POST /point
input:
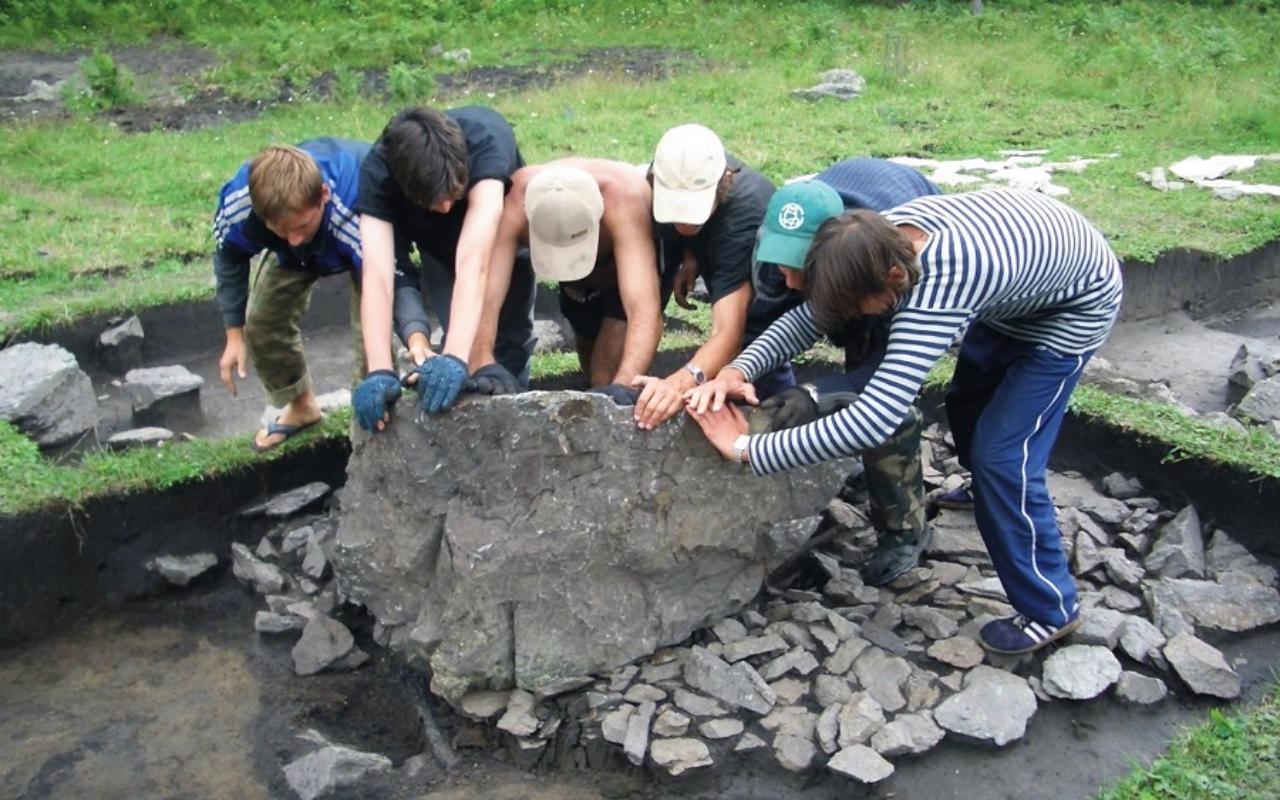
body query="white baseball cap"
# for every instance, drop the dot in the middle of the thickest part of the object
(564, 207)
(687, 167)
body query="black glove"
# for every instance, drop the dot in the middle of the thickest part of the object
(831, 402)
(790, 408)
(618, 393)
(494, 379)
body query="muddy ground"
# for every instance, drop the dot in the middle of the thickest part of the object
(178, 697)
(172, 79)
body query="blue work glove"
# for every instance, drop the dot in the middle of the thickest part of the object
(495, 379)
(374, 397)
(622, 395)
(440, 379)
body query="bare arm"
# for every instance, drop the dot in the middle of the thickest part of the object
(511, 230)
(663, 399)
(475, 248)
(728, 322)
(377, 240)
(636, 260)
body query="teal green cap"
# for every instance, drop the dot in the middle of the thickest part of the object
(795, 213)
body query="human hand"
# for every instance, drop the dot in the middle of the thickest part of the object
(374, 398)
(494, 379)
(659, 401)
(722, 427)
(233, 359)
(440, 379)
(685, 280)
(730, 384)
(790, 408)
(619, 393)
(419, 347)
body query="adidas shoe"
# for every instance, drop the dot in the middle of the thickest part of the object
(1017, 634)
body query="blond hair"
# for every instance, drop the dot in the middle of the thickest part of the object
(284, 180)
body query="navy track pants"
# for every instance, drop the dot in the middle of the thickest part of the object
(1005, 405)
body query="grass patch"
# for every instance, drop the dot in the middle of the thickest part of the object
(1233, 756)
(1151, 81)
(31, 483)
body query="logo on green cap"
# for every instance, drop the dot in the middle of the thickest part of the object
(791, 216)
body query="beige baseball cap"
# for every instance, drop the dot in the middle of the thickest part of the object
(564, 207)
(687, 167)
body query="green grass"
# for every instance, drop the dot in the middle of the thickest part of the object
(1235, 755)
(31, 482)
(97, 220)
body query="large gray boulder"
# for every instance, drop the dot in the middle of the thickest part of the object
(523, 540)
(45, 394)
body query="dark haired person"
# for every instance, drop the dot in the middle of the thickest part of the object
(892, 472)
(709, 205)
(1034, 289)
(435, 181)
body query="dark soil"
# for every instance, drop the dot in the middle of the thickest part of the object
(167, 70)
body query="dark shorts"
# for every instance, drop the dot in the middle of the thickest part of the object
(586, 309)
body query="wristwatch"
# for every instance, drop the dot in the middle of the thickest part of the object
(740, 448)
(699, 377)
(811, 390)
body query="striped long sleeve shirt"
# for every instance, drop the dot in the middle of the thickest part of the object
(1020, 262)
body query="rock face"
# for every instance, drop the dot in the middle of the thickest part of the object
(45, 394)
(167, 397)
(521, 540)
(120, 346)
(994, 706)
(330, 768)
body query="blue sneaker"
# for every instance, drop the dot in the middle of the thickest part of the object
(1016, 635)
(960, 499)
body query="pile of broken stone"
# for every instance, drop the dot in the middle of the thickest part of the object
(831, 673)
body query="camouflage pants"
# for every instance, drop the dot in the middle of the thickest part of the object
(278, 299)
(895, 481)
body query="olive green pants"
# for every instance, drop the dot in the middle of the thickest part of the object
(278, 299)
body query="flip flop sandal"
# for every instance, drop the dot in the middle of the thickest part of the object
(277, 428)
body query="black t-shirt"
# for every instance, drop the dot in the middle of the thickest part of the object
(491, 154)
(726, 242)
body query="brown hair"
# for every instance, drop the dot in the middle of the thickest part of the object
(284, 180)
(427, 154)
(850, 259)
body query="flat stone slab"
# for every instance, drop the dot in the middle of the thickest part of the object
(331, 768)
(994, 706)
(45, 394)
(286, 504)
(1202, 667)
(861, 763)
(139, 437)
(324, 641)
(680, 755)
(181, 570)
(1236, 607)
(1080, 672)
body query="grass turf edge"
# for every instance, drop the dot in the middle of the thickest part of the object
(1233, 754)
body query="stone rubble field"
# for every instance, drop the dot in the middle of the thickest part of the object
(821, 672)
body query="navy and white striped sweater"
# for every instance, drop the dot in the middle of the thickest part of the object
(1019, 261)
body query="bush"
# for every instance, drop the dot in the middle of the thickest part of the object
(407, 84)
(106, 84)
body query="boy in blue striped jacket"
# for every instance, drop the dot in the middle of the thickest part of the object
(1033, 289)
(295, 202)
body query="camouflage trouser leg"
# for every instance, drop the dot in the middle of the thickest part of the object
(277, 300)
(895, 481)
(360, 365)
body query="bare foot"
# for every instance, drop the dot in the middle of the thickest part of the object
(300, 414)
